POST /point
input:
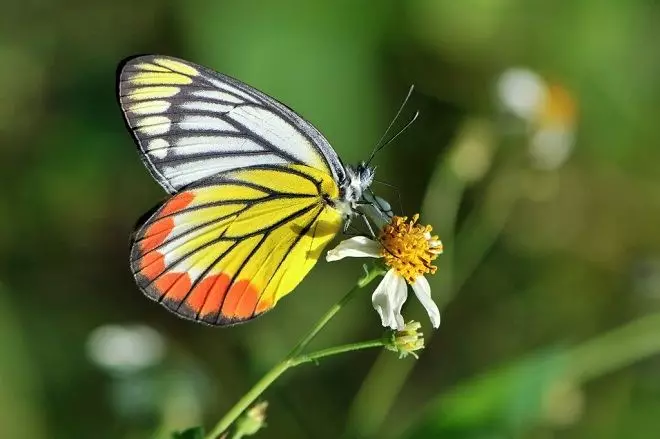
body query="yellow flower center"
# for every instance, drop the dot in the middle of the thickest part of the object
(409, 248)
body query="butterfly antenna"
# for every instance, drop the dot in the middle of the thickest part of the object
(393, 138)
(379, 144)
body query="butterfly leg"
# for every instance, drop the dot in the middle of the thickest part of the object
(366, 221)
(347, 224)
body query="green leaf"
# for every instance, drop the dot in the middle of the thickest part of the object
(507, 399)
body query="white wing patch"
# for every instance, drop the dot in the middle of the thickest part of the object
(223, 85)
(217, 96)
(278, 132)
(153, 125)
(192, 123)
(183, 172)
(215, 144)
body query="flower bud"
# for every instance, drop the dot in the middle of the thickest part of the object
(407, 341)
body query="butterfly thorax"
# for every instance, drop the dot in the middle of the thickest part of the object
(351, 189)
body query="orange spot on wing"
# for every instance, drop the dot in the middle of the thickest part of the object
(156, 234)
(241, 300)
(152, 264)
(248, 302)
(197, 297)
(264, 305)
(177, 203)
(215, 287)
(174, 285)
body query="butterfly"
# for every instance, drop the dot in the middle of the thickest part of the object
(256, 191)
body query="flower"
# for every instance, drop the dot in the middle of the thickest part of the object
(549, 110)
(407, 341)
(408, 249)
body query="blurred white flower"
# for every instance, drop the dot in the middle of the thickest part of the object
(521, 91)
(549, 110)
(125, 348)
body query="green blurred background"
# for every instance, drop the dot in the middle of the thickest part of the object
(535, 157)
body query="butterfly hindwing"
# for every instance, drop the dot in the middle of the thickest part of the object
(227, 249)
(191, 123)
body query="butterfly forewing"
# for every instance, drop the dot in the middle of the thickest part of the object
(226, 250)
(192, 123)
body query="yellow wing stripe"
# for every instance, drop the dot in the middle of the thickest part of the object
(157, 78)
(302, 257)
(151, 67)
(263, 216)
(150, 107)
(297, 179)
(155, 92)
(177, 66)
(230, 192)
(287, 182)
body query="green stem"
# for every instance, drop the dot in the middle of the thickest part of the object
(247, 399)
(295, 358)
(315, 356)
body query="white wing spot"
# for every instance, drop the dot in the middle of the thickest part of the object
(207, 106)
(150, 107)
(153, 125)
(279, 132)
(215, 144)
(158, 148)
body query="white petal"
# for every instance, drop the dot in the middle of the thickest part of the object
(355, 247)
(422, 290)
(388, 298)
(400, 296)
